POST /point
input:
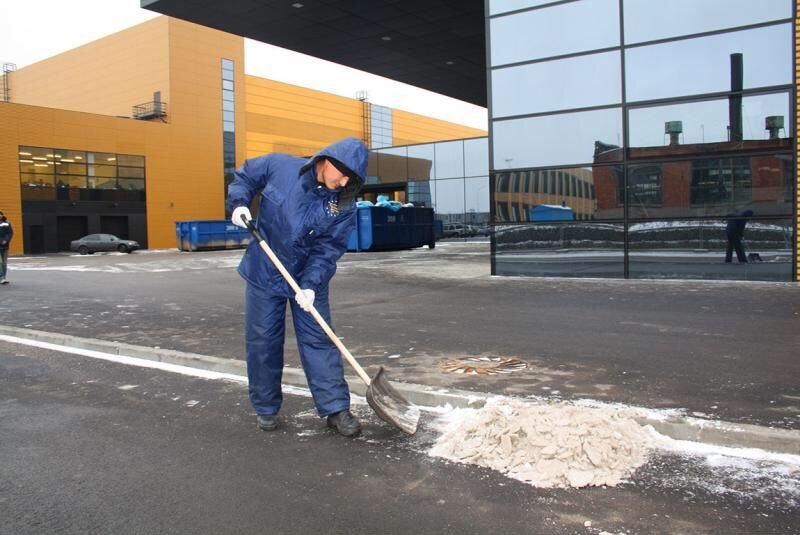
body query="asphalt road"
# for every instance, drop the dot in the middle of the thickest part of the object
(725, 350)
(90, 446)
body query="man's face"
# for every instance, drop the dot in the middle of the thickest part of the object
(331, 177)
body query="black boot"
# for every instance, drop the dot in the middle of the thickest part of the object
(345, 423)
(267, 422)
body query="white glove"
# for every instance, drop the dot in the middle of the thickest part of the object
(305, 298)
(238, 212)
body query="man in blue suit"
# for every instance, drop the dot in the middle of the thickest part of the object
(307, 212)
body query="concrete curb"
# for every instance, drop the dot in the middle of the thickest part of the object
(679, 428)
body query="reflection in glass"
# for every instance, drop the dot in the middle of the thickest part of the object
(449, 159)
(421, 161)
(553, 31)
(503, 6)
(476, 156)
(567, 194)
(709, 121)
(552, 140)
(703, 186)
(476, 200)
(646, 20)
(560, 249)
(556, 85)
(695, 249)
(703, 65)
(450, 206)
(392, 165)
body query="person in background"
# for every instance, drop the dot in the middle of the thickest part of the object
(735, 232)
(307, 212)
(6, 233)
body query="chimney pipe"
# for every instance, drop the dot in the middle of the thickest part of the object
(774, 123)
(735, 100)
(674, 129)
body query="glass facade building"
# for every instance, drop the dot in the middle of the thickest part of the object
(449, 176)
(630, 138)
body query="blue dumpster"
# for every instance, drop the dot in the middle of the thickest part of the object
(387, 229)
(550, 212)
(210, 235)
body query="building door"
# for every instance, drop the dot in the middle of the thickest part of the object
(35, 239)
(116, 225)
(70, 228)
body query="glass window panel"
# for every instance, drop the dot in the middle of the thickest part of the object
(503, 6)
(419, 192)
(131, 172)
(543, 187)
(590, 136)
(130, 160)
(553, 31)
(392, 165)
(38, 167)
(646, 20)
(696, 249)
(106, 158)
(38, 191)
(67, 181)
(708, 122)
(36, 180)
(228, 116)
(711, 187)
(40, 154)
(66, 166)
(450, 200)
(63, 154)
(476, 157)
(102, 170)
(450, 159)
(227, 84)
(227, 95)
(703, 65)
(131, 184)
(476, 199)
(101, 182)
(556, 85)
(228, 126)
(227, 63)
(227, 106)
(227, 74)
(421, 161)
(563, 249)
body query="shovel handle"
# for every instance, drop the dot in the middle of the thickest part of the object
(317, 316)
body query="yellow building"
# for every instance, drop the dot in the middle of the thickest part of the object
(142, 128)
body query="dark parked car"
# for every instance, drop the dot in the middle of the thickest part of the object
(103, 242)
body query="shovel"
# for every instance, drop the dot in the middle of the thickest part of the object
(384, 399)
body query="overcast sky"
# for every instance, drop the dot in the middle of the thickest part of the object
(33, 30)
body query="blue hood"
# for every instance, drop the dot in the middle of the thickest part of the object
(350, 152)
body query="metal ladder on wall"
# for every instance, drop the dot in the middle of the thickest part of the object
(5, 85)
(366, 118)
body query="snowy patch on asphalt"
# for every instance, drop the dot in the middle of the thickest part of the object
(547, 446)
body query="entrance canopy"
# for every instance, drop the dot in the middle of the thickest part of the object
(437, 45)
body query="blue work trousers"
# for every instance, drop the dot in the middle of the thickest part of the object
(265, 317)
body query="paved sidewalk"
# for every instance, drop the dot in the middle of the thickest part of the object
(722, 351)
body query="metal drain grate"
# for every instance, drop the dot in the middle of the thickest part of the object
(483, 365)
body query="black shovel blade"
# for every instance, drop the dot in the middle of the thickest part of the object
(392, 407)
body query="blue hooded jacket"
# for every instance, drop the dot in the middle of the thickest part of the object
(305, 224)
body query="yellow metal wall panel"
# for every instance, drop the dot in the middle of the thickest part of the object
(108, 76)
(409, 128)
(286, 118)
(183, 153)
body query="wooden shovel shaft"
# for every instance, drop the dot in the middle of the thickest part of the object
(317, 316)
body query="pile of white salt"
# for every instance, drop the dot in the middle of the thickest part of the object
(547, 445)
